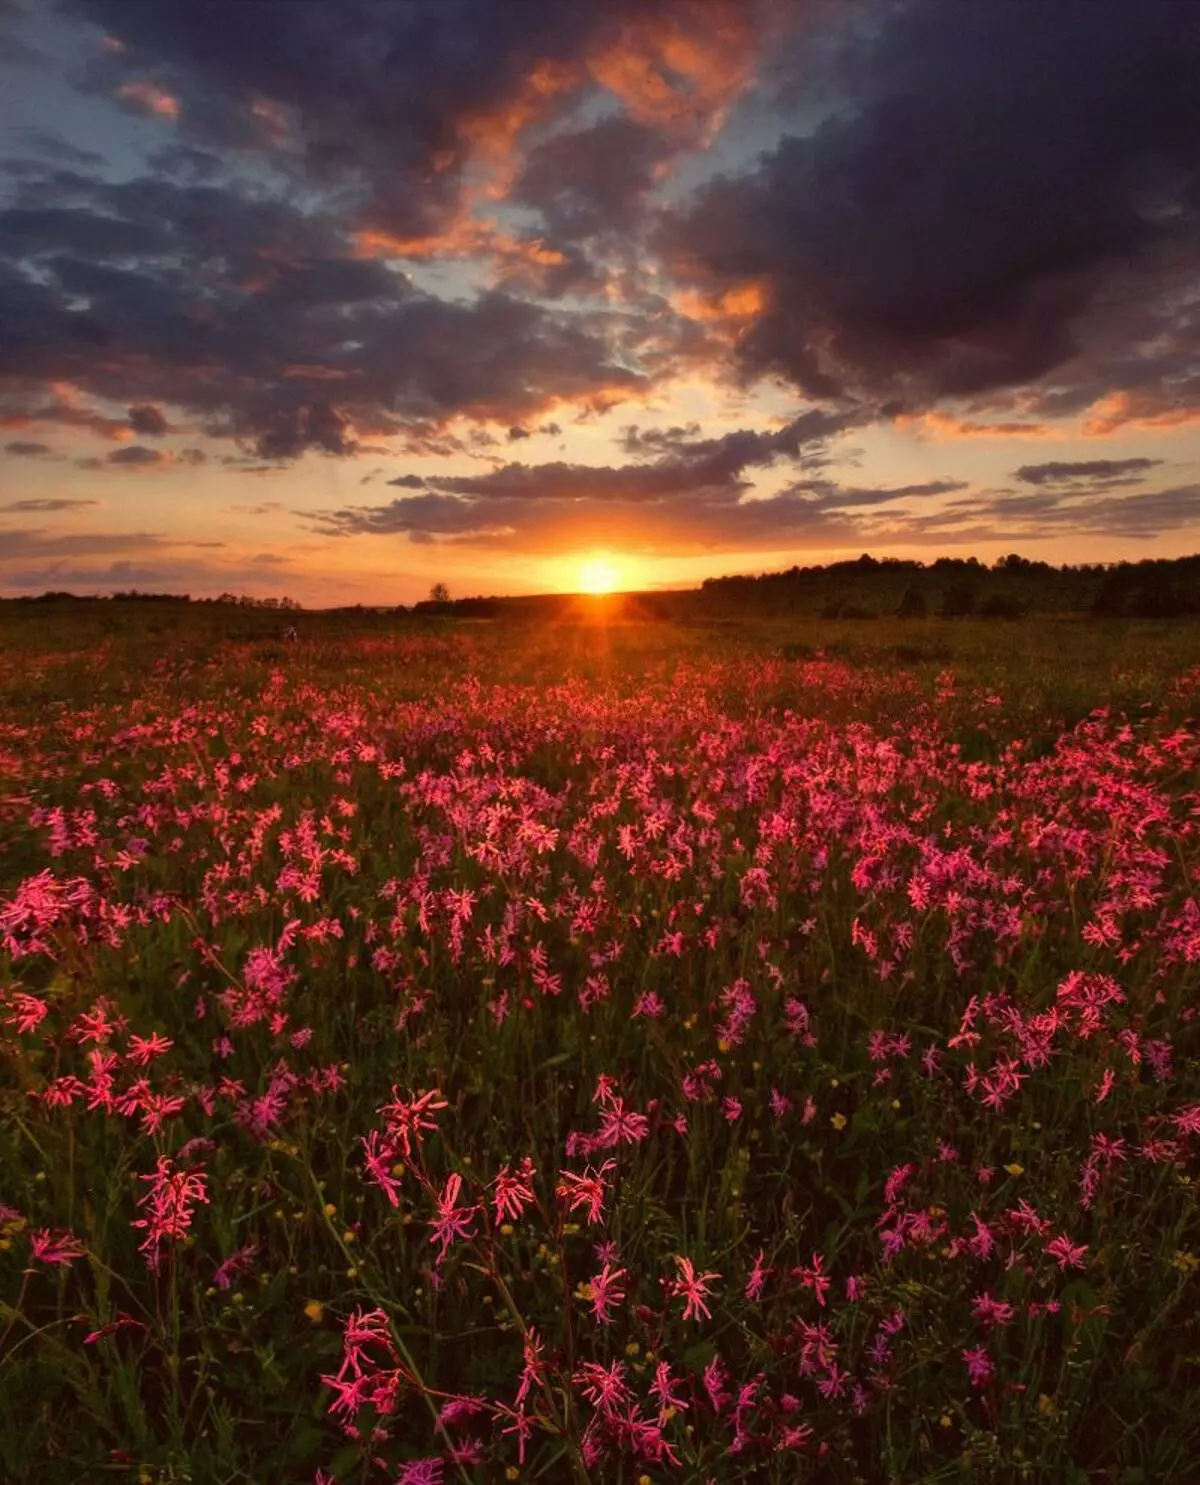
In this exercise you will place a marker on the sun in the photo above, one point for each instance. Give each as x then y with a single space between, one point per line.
598 575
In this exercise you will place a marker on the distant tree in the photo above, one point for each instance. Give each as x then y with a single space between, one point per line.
1001 606
958 601
912 605
439 593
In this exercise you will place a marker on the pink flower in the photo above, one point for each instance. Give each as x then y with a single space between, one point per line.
814 1278
409 1120
56 1247
169 1205
691 1287
757 1277
452 1221
420 1472
1065 1253
587 1190
514 1192
606 1291
979 1367
619 1126
604 1386
989 1311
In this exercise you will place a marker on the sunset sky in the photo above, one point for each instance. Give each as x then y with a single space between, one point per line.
338 300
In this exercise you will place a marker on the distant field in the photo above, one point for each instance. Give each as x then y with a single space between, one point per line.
597 1050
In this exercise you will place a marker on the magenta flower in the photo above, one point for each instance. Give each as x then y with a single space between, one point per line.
585 1191
409 1119
56 1247
979 1367
1065 1253
169 1207
606 1291
693 1288
452 1221
514 1192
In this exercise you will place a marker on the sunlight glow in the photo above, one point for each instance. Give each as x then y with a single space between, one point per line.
599 575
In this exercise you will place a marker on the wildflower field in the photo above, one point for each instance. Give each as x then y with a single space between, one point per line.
598 1052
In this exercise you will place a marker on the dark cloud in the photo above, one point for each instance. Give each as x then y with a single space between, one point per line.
409 482
136 455
316 426
991 175
390 99
45 506
246 312
23 448
695 486
148 421
1091 471
1000 516
52 148
656 441
29 542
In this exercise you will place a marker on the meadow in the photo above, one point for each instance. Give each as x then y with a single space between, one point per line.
607 1051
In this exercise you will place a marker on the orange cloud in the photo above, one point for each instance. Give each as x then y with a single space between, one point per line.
466 237
942 426
491 137
680 72
150 99
303 371
743 301
1122 411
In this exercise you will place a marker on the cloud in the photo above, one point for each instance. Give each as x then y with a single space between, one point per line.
690 494
148 421
266 508
128 303
24 542
1092 471
47 505
137 456
23 448
997 183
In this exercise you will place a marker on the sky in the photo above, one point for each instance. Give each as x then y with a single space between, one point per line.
338 299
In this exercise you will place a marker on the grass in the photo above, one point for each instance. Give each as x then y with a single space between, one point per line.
853 965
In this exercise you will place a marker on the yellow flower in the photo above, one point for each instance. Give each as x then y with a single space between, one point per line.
512 1473
315 1311
1015 1169
330 1209
838 1121
724 1044
632 1348
945 1420
1046 1405
506 1229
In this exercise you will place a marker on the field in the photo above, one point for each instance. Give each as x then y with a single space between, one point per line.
604 1051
